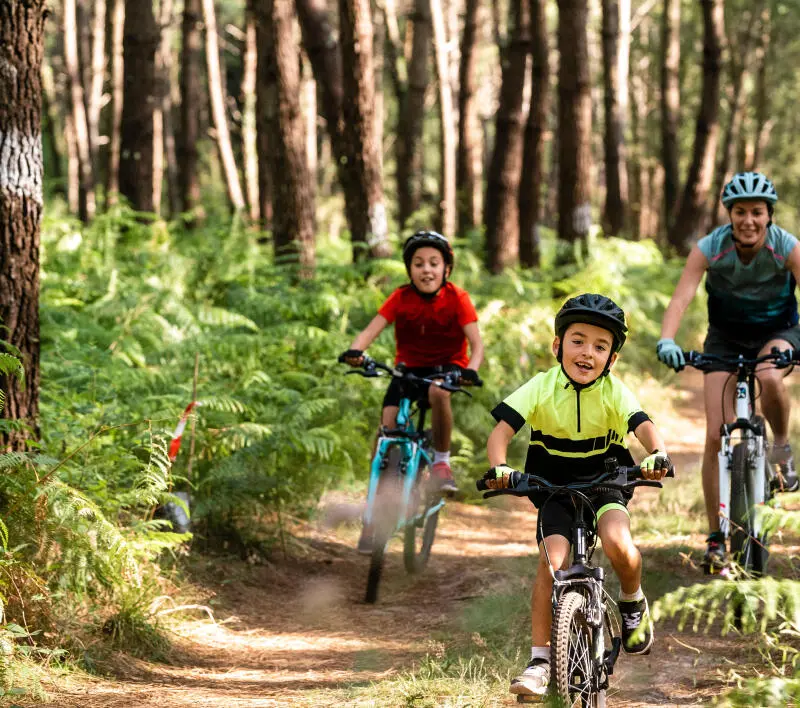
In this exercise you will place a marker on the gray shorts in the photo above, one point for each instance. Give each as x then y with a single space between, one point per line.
724 344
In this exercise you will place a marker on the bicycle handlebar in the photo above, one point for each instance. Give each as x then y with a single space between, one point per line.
615 476
703 361
447 381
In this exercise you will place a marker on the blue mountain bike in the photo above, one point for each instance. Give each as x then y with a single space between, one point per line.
401 495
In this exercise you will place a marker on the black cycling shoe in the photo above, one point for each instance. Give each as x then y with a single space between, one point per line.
637 627
714 558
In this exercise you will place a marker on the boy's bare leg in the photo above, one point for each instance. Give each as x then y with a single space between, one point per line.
541 595
441 418
614 529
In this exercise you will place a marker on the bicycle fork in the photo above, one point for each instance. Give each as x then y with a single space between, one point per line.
755 479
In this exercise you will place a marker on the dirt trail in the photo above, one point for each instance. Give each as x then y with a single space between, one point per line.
287 630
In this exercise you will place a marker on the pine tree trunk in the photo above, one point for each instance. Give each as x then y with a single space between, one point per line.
530 189
739 66
55 129
164 137
502 189
670 104
368 212
21 203
410 163
762 95
216 93
117 93
249 136
615 161
447 185
86 203
95 102
136 151
574 131
691 213
293 209
263 126
191 92
469 160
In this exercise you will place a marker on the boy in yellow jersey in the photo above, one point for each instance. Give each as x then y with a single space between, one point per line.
579 416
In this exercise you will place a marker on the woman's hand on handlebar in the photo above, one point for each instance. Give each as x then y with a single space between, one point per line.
670 353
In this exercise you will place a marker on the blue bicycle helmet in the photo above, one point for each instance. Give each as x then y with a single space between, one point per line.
749 185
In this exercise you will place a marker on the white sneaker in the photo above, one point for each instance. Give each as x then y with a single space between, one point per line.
534 680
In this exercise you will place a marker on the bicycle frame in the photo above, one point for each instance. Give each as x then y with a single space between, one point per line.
409 440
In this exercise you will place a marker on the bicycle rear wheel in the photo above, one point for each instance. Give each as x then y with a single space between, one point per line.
384 520
420 529
573 666
747 549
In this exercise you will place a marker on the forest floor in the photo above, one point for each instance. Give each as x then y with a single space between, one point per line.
295 631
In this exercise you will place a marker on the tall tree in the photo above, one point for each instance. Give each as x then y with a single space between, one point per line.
136 151
249 134
762 94
412 114
86 204
469 159
164 139
574 129
368 223
691 212
502 189
447 173
21 202
616 13
739 68
530 188
98 68
293 209
217 96
191 92
117 93
670 104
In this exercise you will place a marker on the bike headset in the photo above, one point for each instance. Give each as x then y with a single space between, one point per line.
596 310
749 186
431 239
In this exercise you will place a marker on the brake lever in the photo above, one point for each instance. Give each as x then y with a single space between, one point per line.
366 374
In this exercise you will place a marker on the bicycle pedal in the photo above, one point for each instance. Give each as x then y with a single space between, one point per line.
530 699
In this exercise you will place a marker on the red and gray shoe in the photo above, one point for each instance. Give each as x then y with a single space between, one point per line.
442 478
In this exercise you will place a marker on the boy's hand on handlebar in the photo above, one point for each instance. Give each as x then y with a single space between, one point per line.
354 357
656 465
670 354
501 477
469 377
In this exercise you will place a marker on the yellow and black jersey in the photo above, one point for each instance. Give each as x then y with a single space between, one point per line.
572 430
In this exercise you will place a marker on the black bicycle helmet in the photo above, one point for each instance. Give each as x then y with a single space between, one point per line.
427 238
593 309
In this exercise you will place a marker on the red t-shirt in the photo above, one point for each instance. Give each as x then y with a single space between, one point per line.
430 332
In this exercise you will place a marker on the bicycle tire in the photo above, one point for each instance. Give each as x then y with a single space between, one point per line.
419 533
747 549
572 663
384 521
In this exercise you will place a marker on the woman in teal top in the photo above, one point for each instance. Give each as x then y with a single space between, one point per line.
751 267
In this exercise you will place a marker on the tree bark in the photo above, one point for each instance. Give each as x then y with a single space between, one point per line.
21 203
469 160
86 203
691 213
615 159
447 179
368 212
739 67
762 95
502 189
249 135
217 96
191 91
136 152
263 126
530 189
117 94
293 209
95 102
670 104
574 131
164 143
410 162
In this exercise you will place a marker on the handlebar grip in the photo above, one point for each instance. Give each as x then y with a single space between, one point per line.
481 485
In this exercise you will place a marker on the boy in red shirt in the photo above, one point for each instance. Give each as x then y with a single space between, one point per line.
434 321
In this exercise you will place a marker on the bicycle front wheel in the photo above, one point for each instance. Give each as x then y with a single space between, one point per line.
419 532
384 519
573 665
748 549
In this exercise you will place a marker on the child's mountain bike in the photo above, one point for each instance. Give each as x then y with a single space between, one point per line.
585 641
401 494
746 481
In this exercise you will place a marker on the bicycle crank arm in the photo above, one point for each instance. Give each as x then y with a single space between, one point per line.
611 656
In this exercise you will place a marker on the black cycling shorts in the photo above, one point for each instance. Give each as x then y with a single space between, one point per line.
399 389
556 516
722 343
